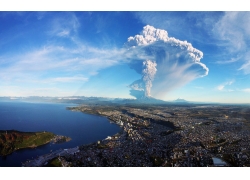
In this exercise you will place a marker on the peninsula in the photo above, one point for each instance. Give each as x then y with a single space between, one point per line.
12 140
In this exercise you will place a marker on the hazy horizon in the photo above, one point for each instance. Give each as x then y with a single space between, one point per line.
69 98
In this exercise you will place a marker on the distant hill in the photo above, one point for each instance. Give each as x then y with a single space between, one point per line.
180 101
104 100
150 100
143 100
87 100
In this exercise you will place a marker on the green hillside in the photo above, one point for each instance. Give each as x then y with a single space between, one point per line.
12 140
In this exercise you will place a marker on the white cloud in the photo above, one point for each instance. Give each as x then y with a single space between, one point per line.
229 31
246 90
230 82
70 79
222 86
63 33
234 29
64 25
183 24
178 62
232 60
246 66
34 66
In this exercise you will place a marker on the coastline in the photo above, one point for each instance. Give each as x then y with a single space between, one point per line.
134 130
13 140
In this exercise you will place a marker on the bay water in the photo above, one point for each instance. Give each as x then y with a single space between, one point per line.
32 117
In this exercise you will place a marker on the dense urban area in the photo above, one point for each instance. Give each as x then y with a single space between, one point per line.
163 135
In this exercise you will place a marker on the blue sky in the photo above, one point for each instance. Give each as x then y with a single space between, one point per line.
198 56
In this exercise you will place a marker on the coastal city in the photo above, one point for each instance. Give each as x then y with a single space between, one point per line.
159 135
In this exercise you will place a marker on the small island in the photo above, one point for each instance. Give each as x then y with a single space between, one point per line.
12 140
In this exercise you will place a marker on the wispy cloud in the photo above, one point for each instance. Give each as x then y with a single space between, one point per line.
63 33
64 25
227 31
56 60
234 29
43 61
72 79
175 22
246 66
222 86
232 60
57 57
246 90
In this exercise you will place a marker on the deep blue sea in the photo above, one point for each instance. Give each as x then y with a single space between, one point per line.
55 118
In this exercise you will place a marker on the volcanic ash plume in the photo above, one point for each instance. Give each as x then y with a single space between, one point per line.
178 62
148 73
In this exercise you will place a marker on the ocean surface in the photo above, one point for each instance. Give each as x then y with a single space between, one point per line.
31 117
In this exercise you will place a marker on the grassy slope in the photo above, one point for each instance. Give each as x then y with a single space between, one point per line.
15 140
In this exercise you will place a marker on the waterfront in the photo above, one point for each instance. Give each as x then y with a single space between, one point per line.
30 117
215 136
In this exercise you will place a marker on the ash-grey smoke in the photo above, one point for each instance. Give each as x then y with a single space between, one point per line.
148 73
178 62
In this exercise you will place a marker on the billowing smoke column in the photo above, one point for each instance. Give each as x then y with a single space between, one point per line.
178 62
148 73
